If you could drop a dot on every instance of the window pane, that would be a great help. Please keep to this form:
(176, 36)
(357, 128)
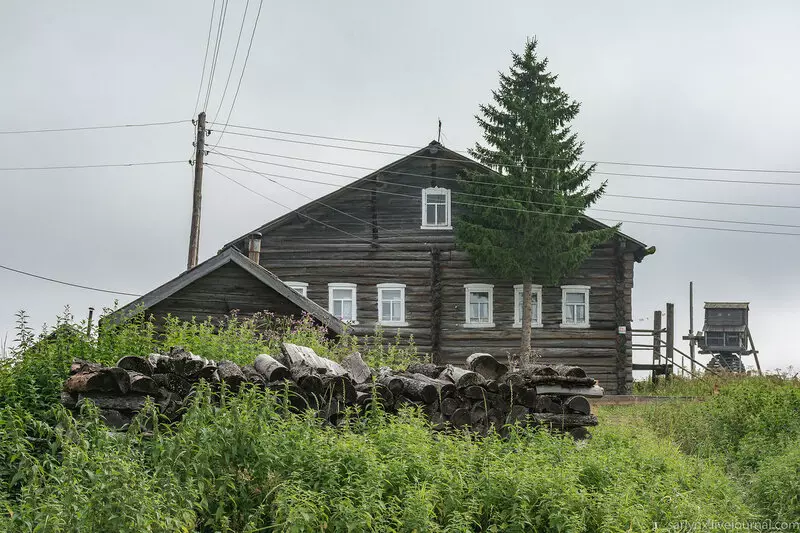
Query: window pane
(342, 294)
(581, 313)
(732, 339)
(441, 215)
(337, 308)
(570, 314)
(478, 297)
(715, 338)
(396, 311)
(347, 310)
(436, 199)
(575, 297)
(390, 294)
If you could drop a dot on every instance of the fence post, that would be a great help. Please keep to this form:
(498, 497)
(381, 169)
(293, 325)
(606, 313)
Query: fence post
(670, 335)
(656, 341)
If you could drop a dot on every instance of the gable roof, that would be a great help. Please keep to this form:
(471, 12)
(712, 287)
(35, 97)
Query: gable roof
(428, 152)
(229, 255)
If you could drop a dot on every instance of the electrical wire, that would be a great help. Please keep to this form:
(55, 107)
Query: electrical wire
(588, 161)
(617, 174)
(241, 74)
(103, 165)
(736, 230)
(290, 209)
(86, 128)
(220, 29)
(523, 187)
(233, 60)
(24, 273)
(205, 58)
(492, 197)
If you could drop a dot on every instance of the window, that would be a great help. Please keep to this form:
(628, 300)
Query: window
(724, 339)
(392, 304)
(479, 311)
(298, 286)
(575, 306)
(342, 301)
(436, 208)
(536, 310)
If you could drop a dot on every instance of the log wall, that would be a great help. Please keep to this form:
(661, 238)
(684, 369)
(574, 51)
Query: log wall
(435, 272)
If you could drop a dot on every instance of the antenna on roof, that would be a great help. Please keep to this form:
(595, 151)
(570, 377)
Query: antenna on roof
(439, 137)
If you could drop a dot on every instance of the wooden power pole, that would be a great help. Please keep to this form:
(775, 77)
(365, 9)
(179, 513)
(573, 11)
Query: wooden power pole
(691, 326)
(197, 197)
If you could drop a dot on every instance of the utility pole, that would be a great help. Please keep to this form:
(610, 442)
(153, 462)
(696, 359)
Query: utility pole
(197, 197)
(691, 326)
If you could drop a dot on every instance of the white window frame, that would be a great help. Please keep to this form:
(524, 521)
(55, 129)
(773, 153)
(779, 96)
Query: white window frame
(298, 286)
(584, 289)
(536, 321)
(448, 205)
(478, 287)
(353, 289)
(393, 287)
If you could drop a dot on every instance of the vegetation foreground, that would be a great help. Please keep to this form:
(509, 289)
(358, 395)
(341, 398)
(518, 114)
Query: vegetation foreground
(245, 464)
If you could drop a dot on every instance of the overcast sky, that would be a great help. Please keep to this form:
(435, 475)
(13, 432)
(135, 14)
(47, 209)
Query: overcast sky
(677, 84)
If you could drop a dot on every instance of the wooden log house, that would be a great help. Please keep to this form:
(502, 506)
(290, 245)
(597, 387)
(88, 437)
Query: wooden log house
(381, 252)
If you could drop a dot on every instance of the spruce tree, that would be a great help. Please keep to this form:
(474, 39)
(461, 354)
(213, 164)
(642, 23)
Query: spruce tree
(522, 216)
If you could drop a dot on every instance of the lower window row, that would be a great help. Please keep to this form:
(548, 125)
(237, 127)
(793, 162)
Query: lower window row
(478, 304)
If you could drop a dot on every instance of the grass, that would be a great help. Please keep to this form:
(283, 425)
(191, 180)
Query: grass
(242, 463)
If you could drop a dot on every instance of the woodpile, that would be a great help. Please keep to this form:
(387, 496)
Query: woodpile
(481, 396)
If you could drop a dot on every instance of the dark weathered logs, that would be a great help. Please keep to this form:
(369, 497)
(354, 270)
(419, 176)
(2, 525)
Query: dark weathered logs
(449, 405)
(383, 392)
(271, 368)
(460, 417)
(307, 378)
(390, 381)
(539, 370)
(418, 390)
(338, 387)
(115, 419)
(69, 400)
(102, 380)
(486, 365)
(588, 392)
(518, 414)
(461, 377)
(548, 404)
(444, 388)
(303, 356)
(495, 417)
(474, 392)
(577, 404)
(208, 373)
(230, 373)
(571, 371)
(162, 364)
(477, 415)
(136, 364)
(131, 402)
(492, 385)
(142, 384)
(526, 397)
(253, 376)
(579, 433)
(355, 366)
(79, 365)
(426, 369)
(564, 421)
(173, 382)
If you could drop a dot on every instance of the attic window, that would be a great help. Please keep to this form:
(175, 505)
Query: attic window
(298, 286)
(436, 208)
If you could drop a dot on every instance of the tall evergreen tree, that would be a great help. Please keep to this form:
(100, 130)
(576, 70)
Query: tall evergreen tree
(522, 220)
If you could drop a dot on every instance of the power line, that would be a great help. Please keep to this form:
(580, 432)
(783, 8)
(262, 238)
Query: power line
(104, 165)
(589, 161)
(524, 201)
(618, 174)
(241, 74)
(735, 230)
(24, 273)
(85, 128)
(205, 58)
(523, 187)
(314, 200)
(223, 10)
(233, 60)
(290, 209)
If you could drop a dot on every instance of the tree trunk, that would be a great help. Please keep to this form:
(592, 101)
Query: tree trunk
(527, 309)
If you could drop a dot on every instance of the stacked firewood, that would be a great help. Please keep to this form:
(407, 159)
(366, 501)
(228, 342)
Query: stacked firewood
(482, 395)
